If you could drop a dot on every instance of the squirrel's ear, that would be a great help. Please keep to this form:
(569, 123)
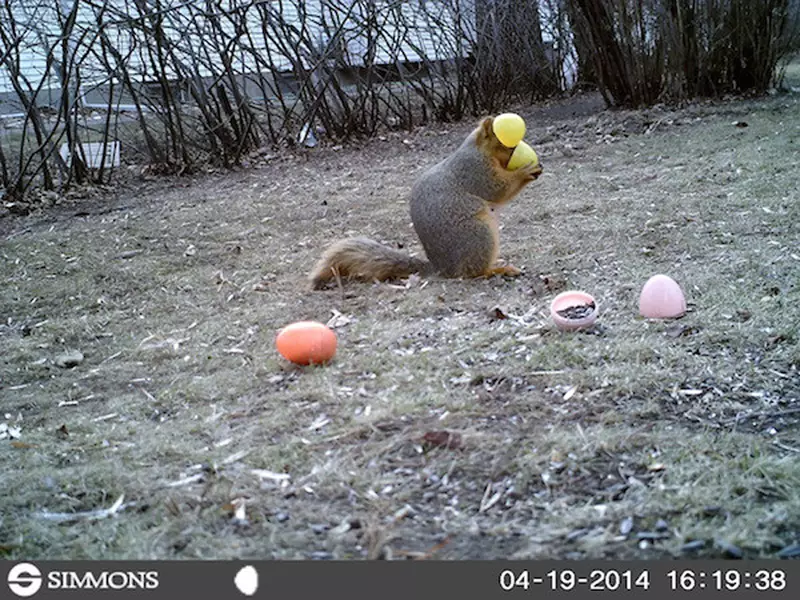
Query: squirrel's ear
(486, 126)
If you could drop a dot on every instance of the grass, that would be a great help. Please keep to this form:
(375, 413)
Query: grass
(625, 442)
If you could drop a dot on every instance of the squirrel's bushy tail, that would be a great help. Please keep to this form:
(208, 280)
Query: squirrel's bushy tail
(366, 260)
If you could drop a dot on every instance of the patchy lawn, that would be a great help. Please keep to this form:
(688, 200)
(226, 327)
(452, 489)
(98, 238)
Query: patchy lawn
(635, 440)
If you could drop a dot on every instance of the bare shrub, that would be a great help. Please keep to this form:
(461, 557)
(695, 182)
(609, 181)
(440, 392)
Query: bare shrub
(37, 159)
(645, 51)
(190, 82)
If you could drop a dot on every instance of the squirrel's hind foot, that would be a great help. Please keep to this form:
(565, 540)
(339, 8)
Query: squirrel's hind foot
(505, 270)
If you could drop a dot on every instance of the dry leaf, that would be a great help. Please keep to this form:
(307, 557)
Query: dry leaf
(553, 283)
(22, 445)
(777, 339)
(424, 555)
(239, 510)
(338, 320)
(402, 513)
(172, 507)
(497, 314)
(680, 329)
(488, 500)
(69, 359)
(444, 439)
(626, 526)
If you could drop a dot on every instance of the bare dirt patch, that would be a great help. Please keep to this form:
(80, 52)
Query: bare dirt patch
(456, 421)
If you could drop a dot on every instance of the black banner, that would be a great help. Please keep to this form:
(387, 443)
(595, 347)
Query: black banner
(401, 580)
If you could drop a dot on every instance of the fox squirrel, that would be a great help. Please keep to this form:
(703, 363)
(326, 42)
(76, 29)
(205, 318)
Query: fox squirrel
(452, 213)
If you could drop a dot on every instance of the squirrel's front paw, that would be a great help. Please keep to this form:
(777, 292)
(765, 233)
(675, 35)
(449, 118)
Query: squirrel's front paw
(531, 171)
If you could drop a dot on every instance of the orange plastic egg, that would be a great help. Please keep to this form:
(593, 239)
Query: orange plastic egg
(306, 342)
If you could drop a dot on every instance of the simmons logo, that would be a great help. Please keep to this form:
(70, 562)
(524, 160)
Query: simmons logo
(25, 579)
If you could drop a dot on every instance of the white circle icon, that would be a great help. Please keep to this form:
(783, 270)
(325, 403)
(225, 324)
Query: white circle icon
(24, 580)
(246, 580)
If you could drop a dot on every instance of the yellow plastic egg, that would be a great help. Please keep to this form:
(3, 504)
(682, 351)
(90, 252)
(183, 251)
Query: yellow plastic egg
(306, 342)
(523, 155)
(509, 129)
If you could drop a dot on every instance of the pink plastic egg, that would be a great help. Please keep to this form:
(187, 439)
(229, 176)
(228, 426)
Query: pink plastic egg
(583, 304)
(661, 298)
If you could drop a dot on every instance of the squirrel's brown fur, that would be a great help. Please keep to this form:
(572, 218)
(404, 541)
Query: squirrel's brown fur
(452, 213)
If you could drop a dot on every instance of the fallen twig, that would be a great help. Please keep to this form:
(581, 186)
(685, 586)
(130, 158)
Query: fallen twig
(763, 414)
(785, 447)
(89, 515)
(186, 480)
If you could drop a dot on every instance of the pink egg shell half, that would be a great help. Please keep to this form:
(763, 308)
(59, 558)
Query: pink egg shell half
(568, 299)
(661, 298)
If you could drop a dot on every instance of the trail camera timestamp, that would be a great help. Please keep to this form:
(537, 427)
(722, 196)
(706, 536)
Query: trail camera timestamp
(756, 579)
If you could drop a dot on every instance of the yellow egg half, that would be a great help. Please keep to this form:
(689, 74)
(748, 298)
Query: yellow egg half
(509, 129)
(523, 155)
(306, 342)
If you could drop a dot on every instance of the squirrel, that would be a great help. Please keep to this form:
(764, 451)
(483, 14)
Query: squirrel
(452, 213)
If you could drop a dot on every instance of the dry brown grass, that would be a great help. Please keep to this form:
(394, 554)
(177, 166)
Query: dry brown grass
(173, 291)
